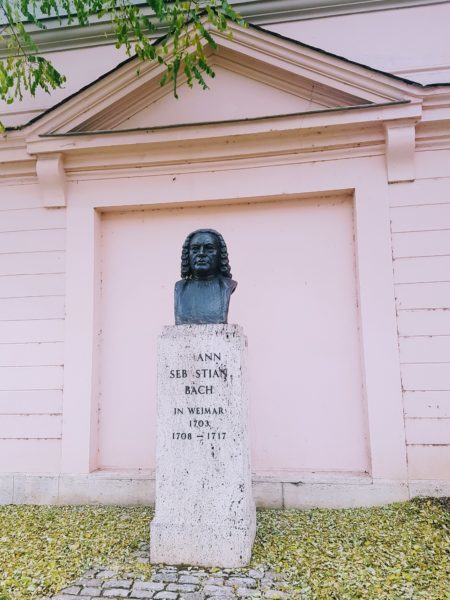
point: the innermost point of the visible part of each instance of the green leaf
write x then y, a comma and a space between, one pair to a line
25, 70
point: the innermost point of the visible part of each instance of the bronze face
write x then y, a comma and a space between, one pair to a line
204, 255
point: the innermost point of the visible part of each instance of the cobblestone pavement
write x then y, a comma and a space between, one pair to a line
177, 583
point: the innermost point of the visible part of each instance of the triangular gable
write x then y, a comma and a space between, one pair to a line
259, 74
238, 91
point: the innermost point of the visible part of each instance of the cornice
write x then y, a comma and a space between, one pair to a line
59, 36
433, 135
76, 170
18, 172
276, 11
354, 117
263, 141
280, 140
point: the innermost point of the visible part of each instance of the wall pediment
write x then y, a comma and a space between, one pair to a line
259, 74
241, 89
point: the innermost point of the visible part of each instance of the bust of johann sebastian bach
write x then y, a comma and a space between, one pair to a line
203, 293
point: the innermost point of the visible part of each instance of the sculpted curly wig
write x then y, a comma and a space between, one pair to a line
224, 265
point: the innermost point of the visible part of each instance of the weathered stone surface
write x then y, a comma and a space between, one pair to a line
90, 582
90, 573
155, 586
188, 579
256, 573
91, 592
117, 583
241, 581
106, 574
116, 593
181, 587
205, 513
166, 596
73, 589
217, 589
214, 581
166, 577
246, 593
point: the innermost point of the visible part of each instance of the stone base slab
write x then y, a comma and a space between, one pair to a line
128, 488
207, 545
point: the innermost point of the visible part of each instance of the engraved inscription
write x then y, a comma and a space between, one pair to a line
207, 356
204, 422
178, 373
199, 389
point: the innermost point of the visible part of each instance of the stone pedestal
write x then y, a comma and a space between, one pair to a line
205, 513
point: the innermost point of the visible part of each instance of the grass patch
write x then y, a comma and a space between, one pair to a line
386, 553
393, 552
43, 548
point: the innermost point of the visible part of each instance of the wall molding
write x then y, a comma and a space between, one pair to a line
59, 36
138, 488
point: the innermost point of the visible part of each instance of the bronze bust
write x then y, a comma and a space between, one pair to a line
203, 294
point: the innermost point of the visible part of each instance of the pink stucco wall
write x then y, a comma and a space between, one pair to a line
343, 267
32, 274
420, 221
410, 42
